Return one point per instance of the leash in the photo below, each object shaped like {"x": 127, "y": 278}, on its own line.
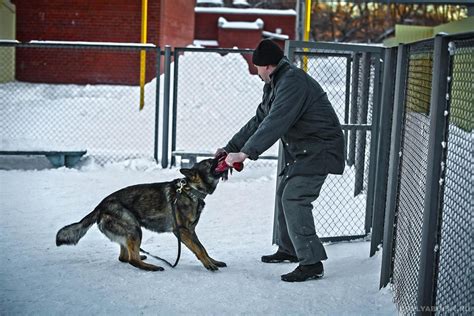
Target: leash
{"x": 179, "y": 190}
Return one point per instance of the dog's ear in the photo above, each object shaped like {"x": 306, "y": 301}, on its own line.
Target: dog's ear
{"x": 188, "y": 173}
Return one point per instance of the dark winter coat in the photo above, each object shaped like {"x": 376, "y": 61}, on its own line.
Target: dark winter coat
{"x": 296, "y": 109}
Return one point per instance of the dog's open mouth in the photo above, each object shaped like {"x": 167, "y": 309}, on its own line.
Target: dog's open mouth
{"x": 214, "y": 171}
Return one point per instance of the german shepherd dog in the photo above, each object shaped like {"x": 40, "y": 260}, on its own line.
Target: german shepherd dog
{"x": 121, "y": 215}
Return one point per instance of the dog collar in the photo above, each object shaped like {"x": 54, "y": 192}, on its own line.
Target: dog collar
{"x": 182, "y": 185}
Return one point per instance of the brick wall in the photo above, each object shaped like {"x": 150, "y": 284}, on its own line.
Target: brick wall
{"x": 101, "y": 21}
{"x": 177, "y": 22}
{"x": 242, "y": 39}
{"x": 206, "y": 23}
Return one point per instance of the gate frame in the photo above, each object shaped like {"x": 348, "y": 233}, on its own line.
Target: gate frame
{"x": 372, "y": 200}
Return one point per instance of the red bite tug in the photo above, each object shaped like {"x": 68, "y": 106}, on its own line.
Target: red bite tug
{"x": 223, "y": 166}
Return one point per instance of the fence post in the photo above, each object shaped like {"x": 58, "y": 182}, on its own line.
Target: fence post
{"x": 394, "y": 163}
{"x": 359, "y": 163}
{"x": 439, "y": 96}
{"x": 347, "y": 102}
{"x": 157, "y": 101}
{"x": 354, "y": 109}
{"x": 175, "y": 107}
{"x": 289, "y": 52}
{"x": 383, "y": 144}
{"x": 373, "y": 161}
{"x": 166, "y": 108}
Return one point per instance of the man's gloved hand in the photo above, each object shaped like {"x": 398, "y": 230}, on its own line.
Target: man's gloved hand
{"x": 219, "y": 153}
{"x": 234, "y": 159}
{"x": 224, "y": 168}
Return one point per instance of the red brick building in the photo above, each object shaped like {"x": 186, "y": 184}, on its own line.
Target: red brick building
{"x": 242, "y": 28}
{"x": 170, "y": 22}
{"x": 278, "y": 24}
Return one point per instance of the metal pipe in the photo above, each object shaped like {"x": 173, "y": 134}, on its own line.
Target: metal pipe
{"x": 175, "y": 106}
{"x": 166, "y": 108}
{"x": 157, "y": 102}
{"x": 434, "y": 180}
{"x": 143, "y": 53}
{"x": 394, "y": 163}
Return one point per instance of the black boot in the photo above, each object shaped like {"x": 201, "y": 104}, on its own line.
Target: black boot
{"x": 305, "y": 272}
{"x": 279, "y": 257}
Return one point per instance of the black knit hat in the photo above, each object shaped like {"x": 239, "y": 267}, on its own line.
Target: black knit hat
{"x": 267, "y": 53}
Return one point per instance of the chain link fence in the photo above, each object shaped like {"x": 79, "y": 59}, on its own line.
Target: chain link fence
{"x": 349, "y": 77}
{"x": 209, "y": 82}
{"x": 58, "y": 96}
{"x": 455, "y": 281}
{"x": 429, "y": 223}
{"x": 215, "y": 93}
{"x": 412, "y": 175}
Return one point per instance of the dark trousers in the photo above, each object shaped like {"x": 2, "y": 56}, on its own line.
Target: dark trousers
{"x": 294, "y": 231}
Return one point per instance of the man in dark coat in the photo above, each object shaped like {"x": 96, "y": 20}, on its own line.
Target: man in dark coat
{"x": 296, "y": 110}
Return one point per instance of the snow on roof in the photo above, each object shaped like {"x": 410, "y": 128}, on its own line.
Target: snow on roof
{"x": 240, "y": 3}
{"x": 245, "y": 11}
{"x": 224, "y": 24}
{"x": 221, "y": 2}
{"x": 277, "y": 36}
{"x": 205, "y": 43}
{"x": 7, "y": 41}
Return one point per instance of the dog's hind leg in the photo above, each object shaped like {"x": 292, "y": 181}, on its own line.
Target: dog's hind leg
{"x": 121, "y": 226}
{"x": 133, "y": 247}
{"x": 124, "y": 255}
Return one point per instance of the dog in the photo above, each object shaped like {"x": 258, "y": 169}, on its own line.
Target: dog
{"x": 122, "y": 214}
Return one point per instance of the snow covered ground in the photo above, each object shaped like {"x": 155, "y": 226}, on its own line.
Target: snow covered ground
{"x": 36, "y": 277}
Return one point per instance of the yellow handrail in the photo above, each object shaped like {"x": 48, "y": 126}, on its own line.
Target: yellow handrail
{"x": 143, "y": 54}
{"x": 307, "y": 29}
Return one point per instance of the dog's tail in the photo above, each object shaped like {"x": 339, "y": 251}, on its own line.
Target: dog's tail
{"x": 71, "y": 234}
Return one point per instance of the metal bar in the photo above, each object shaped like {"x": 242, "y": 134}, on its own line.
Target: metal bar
{"x": 354, "y": 109}
{"x": 342, "y": 238}
{"x": 328, "y": 54}
{"x": 382, "y": 150}
{"x": 157, "y": 102}
{"x": 359, "y": 162}
{"x": 337, "y": 46}
{"x": 211, "y": 154}
{"x": 214, "y": 50}
{"x": 394, "y": 162}
{"x": 166, "y": 108}
{"x": 74, "y": 45}
{"x": 175, "y": 106}
{"x": 382, "y": 145}
{"x": 289, "y": 52}
{"x": 373, "y": 162}
{"x": 347, "y": 101}
{"x": 439, "y": 90}
{"x": 356, "y": 127}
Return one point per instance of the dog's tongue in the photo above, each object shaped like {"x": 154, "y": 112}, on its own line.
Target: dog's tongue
{"x": 223, "y": 166}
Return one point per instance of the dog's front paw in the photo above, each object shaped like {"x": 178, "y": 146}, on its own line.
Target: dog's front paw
{"x": 220, "y": 264}
{"x": 211, "y": 266}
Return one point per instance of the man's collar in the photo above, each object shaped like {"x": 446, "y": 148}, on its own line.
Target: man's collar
{"x": 281, "y": 64}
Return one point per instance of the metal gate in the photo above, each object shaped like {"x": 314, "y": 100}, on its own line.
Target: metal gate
{"x": 351, "y": 76}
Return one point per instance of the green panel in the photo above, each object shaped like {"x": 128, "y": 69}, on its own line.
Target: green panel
{"x": 412, "y": 33}
{"x": 462, "y": 88}
{"x": 7, "y": 31}
{"x": 419, "y": 82}
{"x": 463, "y": 26}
